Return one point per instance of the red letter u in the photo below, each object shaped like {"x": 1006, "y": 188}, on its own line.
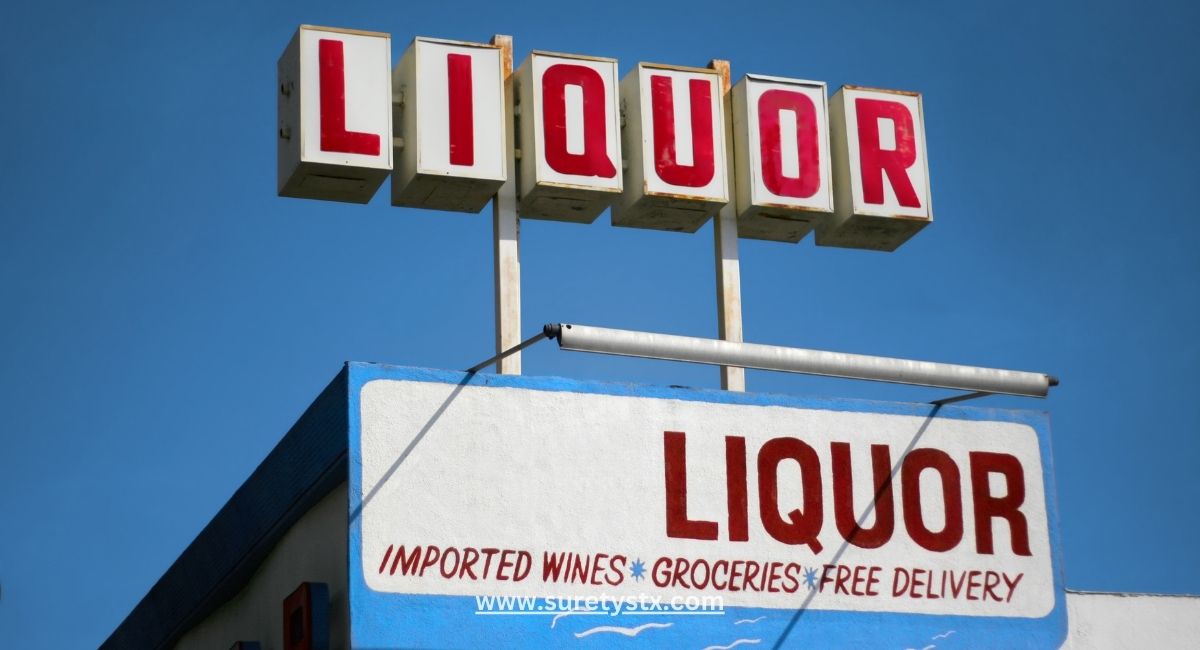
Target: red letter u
{"x": 662, "y": 107}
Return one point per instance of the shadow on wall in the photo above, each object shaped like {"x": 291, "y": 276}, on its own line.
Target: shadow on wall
{"x": 882, "y": 492}
{"x": 354, "y": 514}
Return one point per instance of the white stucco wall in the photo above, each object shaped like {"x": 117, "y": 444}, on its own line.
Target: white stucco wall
{"x": 313, "y": 550}
{"x": 1100, "y": 621}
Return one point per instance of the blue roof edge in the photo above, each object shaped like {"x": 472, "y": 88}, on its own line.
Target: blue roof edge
{"x": 305, "y": 466}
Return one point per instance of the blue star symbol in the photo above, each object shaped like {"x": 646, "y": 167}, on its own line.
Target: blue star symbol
{"x": 810, "y": 578}
{"x": 637, "y": 570}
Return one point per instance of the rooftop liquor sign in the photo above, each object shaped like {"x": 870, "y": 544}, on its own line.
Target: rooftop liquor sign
{"x": 492, "y": 510}
{"x": 653, "y": 146}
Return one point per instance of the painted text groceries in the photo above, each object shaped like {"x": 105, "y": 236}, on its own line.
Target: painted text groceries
{"x": 678, "y": 573}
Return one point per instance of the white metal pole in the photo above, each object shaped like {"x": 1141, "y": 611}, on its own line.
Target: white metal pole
{"x": 584, "y": 338}
{"x": 506, "y": 234}
{"x": 725, "y": 240}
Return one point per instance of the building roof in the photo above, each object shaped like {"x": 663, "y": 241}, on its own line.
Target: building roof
{"x": 307, "y": 463}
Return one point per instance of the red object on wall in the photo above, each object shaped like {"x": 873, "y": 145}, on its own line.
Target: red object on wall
{"x": 306, "y": 618}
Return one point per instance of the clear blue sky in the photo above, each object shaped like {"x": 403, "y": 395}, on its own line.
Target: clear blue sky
{"x": 166, "y": 317}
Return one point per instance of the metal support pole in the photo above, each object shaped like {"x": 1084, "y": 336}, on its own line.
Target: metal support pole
{"x": 725, "y": 240}
{"x": 506, "y": 234}
{"x": 583, "y": 338}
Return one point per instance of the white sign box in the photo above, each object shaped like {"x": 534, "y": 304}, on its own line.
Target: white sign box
{"x": 335, "y": 114}
{"x": 854, "y": 167}
{"x": 570, "y": 136}
{"x": 449, "y": 111}
{"x": 781, "y": 140}
{"x": 876, "y": 518}
{"x": 674, "y": 137}
{"x": 881, "y": 173}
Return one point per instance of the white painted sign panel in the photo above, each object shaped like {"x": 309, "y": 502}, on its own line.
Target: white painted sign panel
{"x": 544, "y": 491}
{"x": 555, "y": 472}
{"x": 783, "y": 167}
